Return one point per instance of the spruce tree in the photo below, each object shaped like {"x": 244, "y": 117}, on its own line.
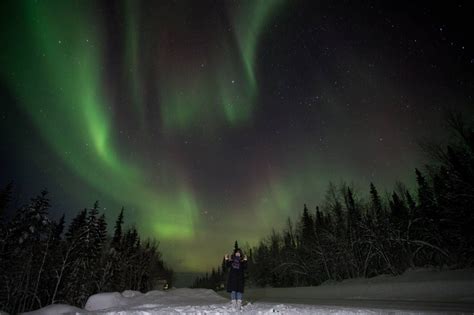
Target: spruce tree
{"x": 30, "y": 235}
{"x": 425, "y": 198}
{"x": 376, "y": 203}
{"x": 307, "y": 235}
{"x": 399, "y": 213}
{"x": 118, "y": 230}
{"x": 59, "y": 228}
{"x": 76, "y": 226}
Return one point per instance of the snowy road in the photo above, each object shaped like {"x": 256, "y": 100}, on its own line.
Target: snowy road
{"x": 384, "y": 306}
{"x": 422, "y": 291}
{"x": 202, "y": 301}
{"x": 260, "y": 308}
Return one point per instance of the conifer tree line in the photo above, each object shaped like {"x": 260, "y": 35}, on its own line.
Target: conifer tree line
{"x": 352, "y": 235}
{"x": 42, "y": 262}
{"x": 214, "y": 280}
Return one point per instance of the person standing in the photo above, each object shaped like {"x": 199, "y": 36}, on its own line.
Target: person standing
{"x": 237, "y": 263}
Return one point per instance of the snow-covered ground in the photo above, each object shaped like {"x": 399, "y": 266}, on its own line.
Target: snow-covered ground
{"x": 418, "y": 285}
{"x": 415, "y": 292}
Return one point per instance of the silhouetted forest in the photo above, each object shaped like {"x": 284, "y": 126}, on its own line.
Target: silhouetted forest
{"x": 42, "y": 263}
{"x": 351, "y": 235}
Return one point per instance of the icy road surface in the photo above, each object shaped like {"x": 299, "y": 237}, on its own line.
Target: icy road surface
{"x": 202, "y": 301}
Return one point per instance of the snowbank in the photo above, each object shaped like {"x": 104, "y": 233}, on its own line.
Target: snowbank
{"x": 136, "y": 300}
{"x": 56, "y": 309}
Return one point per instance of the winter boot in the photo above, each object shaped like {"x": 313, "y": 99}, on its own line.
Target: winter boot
{"x": 234, "y": 304}
{"x": 239, "y": 305}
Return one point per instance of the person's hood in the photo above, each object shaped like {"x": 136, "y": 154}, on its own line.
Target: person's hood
{"x": 238, "y": 250}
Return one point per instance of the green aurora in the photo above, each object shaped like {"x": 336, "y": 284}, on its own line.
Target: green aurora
{"x": 161, "y": 108}
{"x": 58, "y": 53}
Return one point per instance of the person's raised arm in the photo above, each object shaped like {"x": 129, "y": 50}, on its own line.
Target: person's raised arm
{"x": 228, "y": 262}
{"x": 244, "y": 261}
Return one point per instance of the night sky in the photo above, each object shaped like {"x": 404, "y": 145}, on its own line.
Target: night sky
{"x": 211, "y": 121}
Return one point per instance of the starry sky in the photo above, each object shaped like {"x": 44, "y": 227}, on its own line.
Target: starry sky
{"x": 211, "y": 121}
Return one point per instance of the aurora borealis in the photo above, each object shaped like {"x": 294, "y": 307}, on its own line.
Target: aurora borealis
{"x": 211, "y": 121}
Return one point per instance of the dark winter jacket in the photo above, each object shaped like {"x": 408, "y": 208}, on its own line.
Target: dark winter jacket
{"x": 235, "y": 279}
